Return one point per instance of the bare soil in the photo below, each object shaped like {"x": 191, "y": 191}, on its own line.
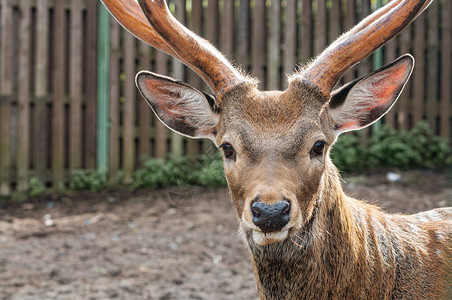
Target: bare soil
{"x": 166, "y": 244}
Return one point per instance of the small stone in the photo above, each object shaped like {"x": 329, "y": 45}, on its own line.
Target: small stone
{"x": 393, "y": 177}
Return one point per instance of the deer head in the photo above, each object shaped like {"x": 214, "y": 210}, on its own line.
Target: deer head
{"x": 275, "y": 143}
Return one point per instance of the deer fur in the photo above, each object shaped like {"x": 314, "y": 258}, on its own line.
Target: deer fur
{"x": 346, "y": 248}
{"x": 276, "y": 151}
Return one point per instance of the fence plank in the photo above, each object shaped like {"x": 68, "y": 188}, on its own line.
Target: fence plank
{"x": 212, "y": 19}
{"x": 274, "y": 47}
{"x": 350, "y": 21}
{"x": 75, "y": 86}
{"x": 290, "y": 39}
{"x": 128, "y": 136}
{"x": 89, "y": 139}
{"x": 243, "y": 39}
{"x": 227, "y": 28}
{"x": 419, "y": 69}
{"x": 320, "y": 27}
{"x": 41, "y": 88}
{"x": 23, "y": 149}
{"x": 58, "y": 84}
{"x": 6, "y": 89}
{"x": 306, "y": 32}
{"x": 335, "y": 29}
{"x": 114, "y": 100}
{"x": 432, "y": 15}
{"x": 446, "y": 71}
{"x": 258, "y": 42}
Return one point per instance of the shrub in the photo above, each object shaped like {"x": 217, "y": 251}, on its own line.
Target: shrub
{"x": 389, "y": 148}
{"x": 210, "y": 171}
{"x": 86, "y": 180}
{"x": 36, "y": 187}
{"x": 348, "y": 154}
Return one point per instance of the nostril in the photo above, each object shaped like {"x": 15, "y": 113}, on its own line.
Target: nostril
{"x": 256, "y": 208}
{"x": 270, "y": 217}
{"x": 285, "y": 207}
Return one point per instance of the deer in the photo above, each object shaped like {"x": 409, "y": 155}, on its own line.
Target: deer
{"x": 307, "y": 239}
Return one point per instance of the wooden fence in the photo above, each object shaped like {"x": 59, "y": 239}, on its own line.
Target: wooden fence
{"x": 49, "y": 75}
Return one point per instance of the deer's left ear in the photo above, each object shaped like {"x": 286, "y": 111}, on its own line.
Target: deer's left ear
{"x": 365, "y": 100}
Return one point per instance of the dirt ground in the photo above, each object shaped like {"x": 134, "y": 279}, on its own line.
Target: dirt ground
{"x": 167, "y": 244}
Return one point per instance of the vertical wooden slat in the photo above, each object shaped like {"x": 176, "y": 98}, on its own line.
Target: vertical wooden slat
{"x": 335, "y": 28}
{"x": 306, "y": 32}
{"x": 128, "y": 133}
{"x": 145, "y": 111}
{"x": 274, "y": 46}
{"x": 103, "y": 91}
{"x": 350, "y": 21}
{"x": 243, "y": 32}
{"x": 178, "y": 67}
{"x": 446, "y": 71}
{"x": 227, "y": 29}
{"x": 40, "y": 130}
{"x": 419, "y": 69}
{"x": 90, "y": 84}
{"x": 403, "y": 110}
{"x": 6, "y": 87}
{"x": 114, "y": 99}
{"x": 23, "y": 150}
{"x": 58, "y": 94}
{"x": 290, "y": 38}
{"x": 258, "y": 41}
{"x": 320, "y": 27}
{"x": 160, "y": 139}
{"x": 75, "y": 86}
{"x": 212, "y": 18}
{"x": 432, "y": 74}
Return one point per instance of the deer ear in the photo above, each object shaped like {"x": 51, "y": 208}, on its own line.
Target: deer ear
{"x": 365, "y": 100}
{"x": 180, "y": 107}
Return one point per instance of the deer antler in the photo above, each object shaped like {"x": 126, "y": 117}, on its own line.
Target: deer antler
{"x": 361, "y": 41}
{"x": 152, "y": 22}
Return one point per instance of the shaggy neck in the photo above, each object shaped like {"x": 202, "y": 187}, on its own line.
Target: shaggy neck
{"x": 303, "y": 264}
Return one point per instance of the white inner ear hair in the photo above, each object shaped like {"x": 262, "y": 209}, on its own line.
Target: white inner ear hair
{"x": 359, "y": 100}
{"x": 191, "y": 105}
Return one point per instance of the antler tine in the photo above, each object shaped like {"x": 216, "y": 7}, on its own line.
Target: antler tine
{"x": 194, "y": 51}
{"x": 129, "y": 14}
{"x": 361, "y": 41}
{"x": 152, "y": 22}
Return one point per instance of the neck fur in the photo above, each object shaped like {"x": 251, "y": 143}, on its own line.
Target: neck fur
{"x": 305, "y": 261}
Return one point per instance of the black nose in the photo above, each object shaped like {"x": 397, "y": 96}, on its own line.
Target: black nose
{"x": 271, "y": 217}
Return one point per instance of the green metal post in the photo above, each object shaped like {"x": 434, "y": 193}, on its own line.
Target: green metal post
{"x": 103, "y": 95}
{"x": 377, "y": 63}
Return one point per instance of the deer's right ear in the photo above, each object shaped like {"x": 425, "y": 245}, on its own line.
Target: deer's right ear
{"x": 180, "y": 107}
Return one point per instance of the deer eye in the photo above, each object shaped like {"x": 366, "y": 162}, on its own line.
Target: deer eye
{"x": 319, "y": 147}
{"x": 228, "y": 150}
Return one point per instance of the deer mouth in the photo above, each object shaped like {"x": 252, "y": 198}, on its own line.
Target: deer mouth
{"x": 249, "y": 232}
{"x": 267, "y": 238}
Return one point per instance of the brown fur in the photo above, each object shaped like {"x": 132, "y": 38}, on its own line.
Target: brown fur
{"x": 343, "y": 248}
{"x": 333, "y": 246}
